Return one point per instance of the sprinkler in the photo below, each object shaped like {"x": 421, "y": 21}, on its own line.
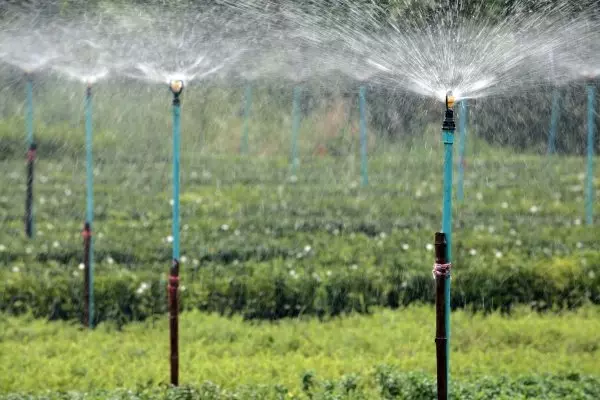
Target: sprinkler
{"x": 589, "y": 195}
{"x": 88, "y": 225}
{"x": 462, "y": 130}
{"x": 362, "y": 107}
{"x": 31, "y": 153}
{"x": 247, "y": 107}
{"x": 442, "y": 267}
{"x": 176, "y": 87}
{"x": 295, "y": 127}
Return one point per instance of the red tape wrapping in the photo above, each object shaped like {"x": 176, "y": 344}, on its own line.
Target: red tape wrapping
{"x": 441, "y": 270}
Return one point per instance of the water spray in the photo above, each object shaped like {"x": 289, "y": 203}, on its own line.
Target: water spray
{"x": 362, "y": 108}
{"x": 554, "y": 121}
{"x": 443, "y": 264}
{"x": 244, "y": 148}
{"x": 295, "y": 127}
{"x": 88, "y": 243}
{"x": 462, "y": 130}
{"x": 176, "y": 88}
{"x": 589, "y": 198}
{"x": 31, "y": 153}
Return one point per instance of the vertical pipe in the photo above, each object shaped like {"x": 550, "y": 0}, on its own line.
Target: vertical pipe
{"x": 448, "y": 140}
{"x": 247, "y": 107}
{"x": 87, "y": 237}
{"x": 554, "y": 121}
{"x": 174, "y": 273}
{"x": 462, "y": 130}
{"x": 174, "y": 321}
{"x": 295, "y": 127}
{"x": 441, "y": 274}
{"x": 29, "y": 195}
{"x": 90, "y": 199}
{"x": 31, "y": 152}
{"x": 589, "y": 206}
{"x": 363, "y": 136}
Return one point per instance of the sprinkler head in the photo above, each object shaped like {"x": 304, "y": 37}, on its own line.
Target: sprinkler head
{"x": 176, "y": 86}
{"x": 450, "y": 100}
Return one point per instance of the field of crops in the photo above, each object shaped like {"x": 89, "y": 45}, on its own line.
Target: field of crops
{"x": 258, "y": 244}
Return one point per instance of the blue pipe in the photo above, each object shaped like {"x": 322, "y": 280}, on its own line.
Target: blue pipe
{"x": 29, "y": 112}
{"x": 90, "y": 195}
{"x": 589, "y": 202}
{"x": 462, "y": 129}
{"x": 295, "y": 127}
{"x": 554, "y": 121}
{"x": 176, "y": 159}
{"x": 363, "y": 135}
{"x": 448, "y": 139}
{"x": 247, "y": 108}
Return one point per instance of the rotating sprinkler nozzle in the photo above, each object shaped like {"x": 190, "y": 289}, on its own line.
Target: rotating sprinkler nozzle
{"x": 449, "y": 124}
{"x": 176, "y": 87}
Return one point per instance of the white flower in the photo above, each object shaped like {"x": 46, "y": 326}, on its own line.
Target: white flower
{"x": 328, "y": 273}
{"x": 68, "y": 192}
{"x": 418, "y": 193}
{"x": 307, "y": 248}
{"x": 336, "y": 231}
{"x": 491, "y": 229}
{"x": 170, "y": 239}
{"x": 186, "y": 227}
{"x": 15, "y": 269}
{"x": 382, "y": 235}
{"x": 479, "y": 196}
{"x": 405, "y": 246}
{"x": 237, "y": 232}
{"x": 504, "y": 204}
{"x": 224, "y": 227}
{"x": 354, "y": 267}
{"x": 182, "y": 288}
{"x": 100, "y": 235}
{"x": 579, "y": 245}
{"x": 512, "y": 232}
{"x": 110, "y": 260}
{"x": 498, "y": 254}
{"x": 184, "y": 259}
{"x": 81, "y": 266}
{"x": 196, "y": 262}
{"x": 194, "y": 174}
{"x": 577, "y": 221}
{"x": 518, "y": 242}
{"x": 171, "y": 202}
{"x": 293, "y": 179}
{"x": 236, "y": 262}
{"x": 42, "y": 200}
{"x": 55, "y": 244}
{"x": 472, "y": 252}
{"x": 533, "y": 209}
{"x": 2, "y": 248}
{"x": 429, "y": 247}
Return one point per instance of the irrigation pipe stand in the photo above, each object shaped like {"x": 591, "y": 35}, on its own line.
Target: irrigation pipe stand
{"x": 88, "y": 240}
{"x": 442, "y": 266}
{"x": 176, "y": 88}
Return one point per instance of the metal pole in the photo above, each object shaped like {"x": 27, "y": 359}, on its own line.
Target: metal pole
{"x": 448, "y": 129}
{"x": 176, "y": 88}
{"x": 29, "y": 195}
{"x": 247, "y": 107}
{"x": 87, "y": 238}
{"x": 31, "y": 153}
{"x": 363, "y": 135}
{"x": 589, "y": 201}
{"x": 462, "y": 129}
{"x": 295, "y": 127}
{"x": 90, "y": 199}
{"x": 441, "y": 273}
{"x": 554, "y": 121}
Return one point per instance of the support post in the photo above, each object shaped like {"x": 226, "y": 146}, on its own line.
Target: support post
{"x": 589, "y": 198}
{"x": 363, "y": 135}
{"x": 176, "y": 89}
{"x": 90, "y": 201}
{"x": 29, "y": 231}
{"x": 448, "y": 129}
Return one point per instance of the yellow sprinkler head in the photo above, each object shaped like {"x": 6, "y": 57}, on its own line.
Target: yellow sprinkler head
{"x": 450, "y": 100}
{"x": 176, "y": 86}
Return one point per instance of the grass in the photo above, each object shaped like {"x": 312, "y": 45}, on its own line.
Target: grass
{"x": 37, "y": 355}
